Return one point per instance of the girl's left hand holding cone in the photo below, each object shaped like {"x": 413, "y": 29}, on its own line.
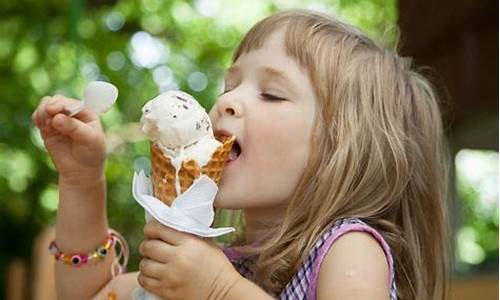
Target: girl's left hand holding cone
{"x": 178, "y": 265}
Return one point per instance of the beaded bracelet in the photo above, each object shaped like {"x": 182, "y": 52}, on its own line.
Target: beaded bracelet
{"x": 79, "y": 259}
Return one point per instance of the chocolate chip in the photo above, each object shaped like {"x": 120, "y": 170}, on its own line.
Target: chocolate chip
{"x": 180, "y": 98}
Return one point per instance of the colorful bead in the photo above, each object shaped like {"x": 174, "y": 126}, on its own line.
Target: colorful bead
{"x": 102, "y": 251}
{"x": 111, "y": 296}
{"x": 53, "y": 248}
{"x": 76, "y": 259}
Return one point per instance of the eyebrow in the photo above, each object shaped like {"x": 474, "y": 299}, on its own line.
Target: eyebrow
{"x": 273, "y": 73}
{"x": 280, "y": 77}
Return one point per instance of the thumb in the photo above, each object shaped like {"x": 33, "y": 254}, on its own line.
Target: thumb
{"x": 78, "y": 131}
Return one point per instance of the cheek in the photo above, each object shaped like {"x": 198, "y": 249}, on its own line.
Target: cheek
{"x": 275, "y": 156}
{"x": 281, "y": 154}
{"x": 279, "y": 145}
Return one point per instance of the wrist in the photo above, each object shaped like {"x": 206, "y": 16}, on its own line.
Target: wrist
{"x": 225, "y": 282}
{"x": 231, "y": 291}
{"x": 243, "y": 288}
{"x": 82, "y": 181}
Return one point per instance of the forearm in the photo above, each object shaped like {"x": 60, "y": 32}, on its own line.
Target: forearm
{"x": 81, "y": 227}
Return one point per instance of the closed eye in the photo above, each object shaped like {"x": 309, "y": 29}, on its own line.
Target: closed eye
{"x": 270, "y": 97}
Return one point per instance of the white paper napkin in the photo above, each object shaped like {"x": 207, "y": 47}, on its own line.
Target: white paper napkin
{"x": 192, "y": 212}
{"x": 140, "y": 294}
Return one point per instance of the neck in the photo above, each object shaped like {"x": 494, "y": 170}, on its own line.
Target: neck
{"x": 259, "y": 223}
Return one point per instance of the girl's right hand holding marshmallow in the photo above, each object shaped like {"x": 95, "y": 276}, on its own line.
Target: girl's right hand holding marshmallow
{"x": 76, "y": 144}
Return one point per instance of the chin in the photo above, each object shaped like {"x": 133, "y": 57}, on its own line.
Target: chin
{"x": 221, "y": 201}
{"x": 225, "y": 193}
{"x": 227, "y": 199}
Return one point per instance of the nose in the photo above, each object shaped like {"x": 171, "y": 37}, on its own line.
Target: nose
{"x": 229, "y": 106}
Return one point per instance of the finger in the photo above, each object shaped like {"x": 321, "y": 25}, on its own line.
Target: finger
{"x": 157, "y": 250}
{"x": 48, "y": 130}
{"x": 43, "y": 111}
{"x": 34, "y": 116}
{"x": 155, "y": 230}
{"x": 152, "y": 285}
{"x": 151, "y": 268}
{"x": 75, "y": 129}
{"x": 38, "y": 115}
{"x": 61, "y": 104}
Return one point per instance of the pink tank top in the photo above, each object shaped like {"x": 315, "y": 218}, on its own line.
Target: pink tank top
{"x": 304, "y": 283}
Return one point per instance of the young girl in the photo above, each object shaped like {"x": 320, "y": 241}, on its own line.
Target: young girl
{"x": 340, "y": 173}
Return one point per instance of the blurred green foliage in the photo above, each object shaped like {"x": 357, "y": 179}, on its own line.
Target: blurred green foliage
{"x": 143, "y": 47}
{"x": 477, "y": 190}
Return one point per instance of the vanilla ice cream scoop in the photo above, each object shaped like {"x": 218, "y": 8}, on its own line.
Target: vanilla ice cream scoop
{"x": 179, "y": 125}
{"x": 175, "y": 119}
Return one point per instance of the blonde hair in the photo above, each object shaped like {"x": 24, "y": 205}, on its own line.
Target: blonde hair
{"x": 378, "y": 154}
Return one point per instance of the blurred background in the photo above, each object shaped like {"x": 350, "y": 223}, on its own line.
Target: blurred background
{"x": 149, "y": 46}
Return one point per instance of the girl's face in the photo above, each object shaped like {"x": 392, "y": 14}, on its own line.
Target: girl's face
{"x": 269, "y": 105}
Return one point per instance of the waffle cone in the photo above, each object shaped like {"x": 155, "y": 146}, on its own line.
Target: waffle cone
{"x": 164, "y": 177}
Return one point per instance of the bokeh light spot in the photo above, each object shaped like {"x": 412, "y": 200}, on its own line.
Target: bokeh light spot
{"x": 49, "y": 198}
{"x": 197, "y": 81}
{"x": 147, "y": 51}
{"x": 115, "y": 21}
{"x": 116, "y": 60}
{"x": 25, "y": 58}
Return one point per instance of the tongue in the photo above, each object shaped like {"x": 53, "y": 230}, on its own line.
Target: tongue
{"x": 233, "y": 155}
{"x": 235, "y": 152}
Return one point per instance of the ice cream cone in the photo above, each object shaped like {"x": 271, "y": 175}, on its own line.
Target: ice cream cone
{"x": 164, "y": 177}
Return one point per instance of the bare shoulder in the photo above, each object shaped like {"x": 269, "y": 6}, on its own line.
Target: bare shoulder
{"x": 122, "y": 286}
{"x": 355, "y": 267}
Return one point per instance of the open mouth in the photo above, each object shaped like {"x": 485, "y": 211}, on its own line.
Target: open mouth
{"x": 235, "y": 152}
{"x": 223, "y": 135}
